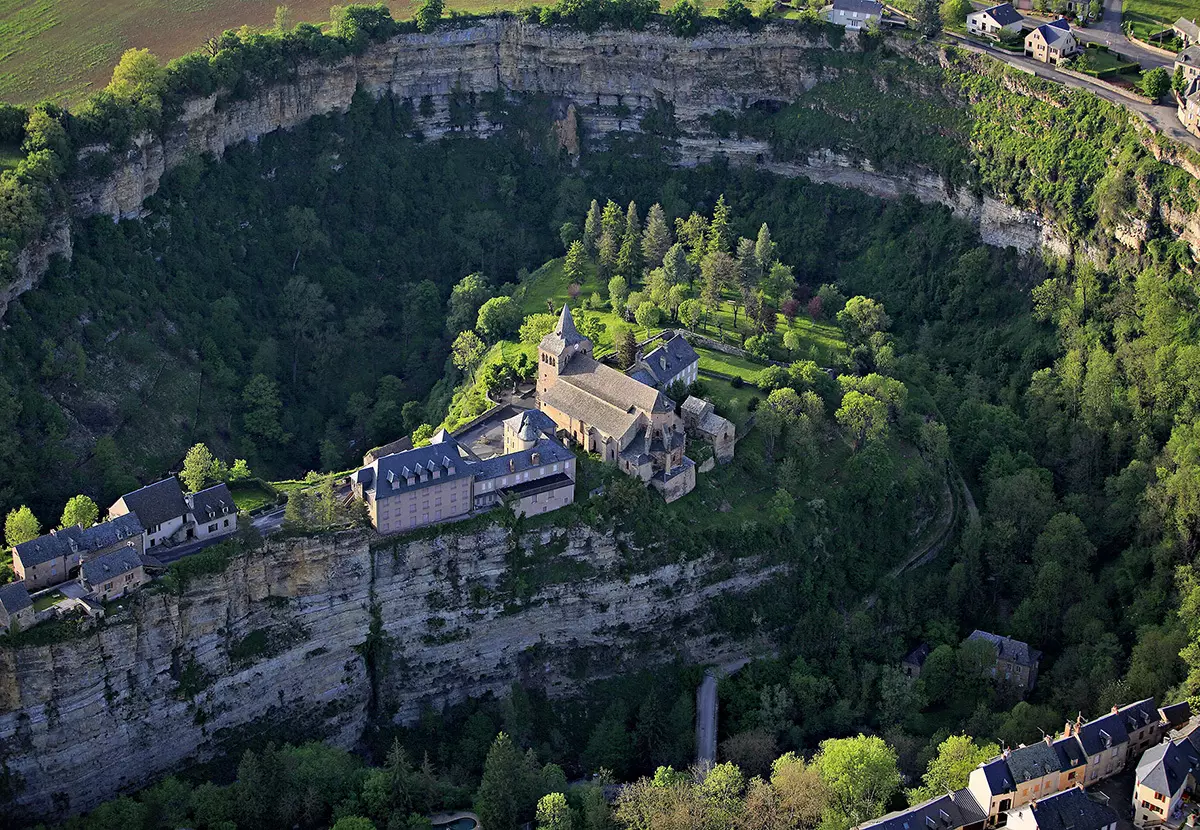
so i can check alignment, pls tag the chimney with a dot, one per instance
(637, 356)
(511, 466)
(1049, 740)
(535, 458)
(1114, 709)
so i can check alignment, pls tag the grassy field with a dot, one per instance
(1150, 16)
(64, 49)
(250, 495)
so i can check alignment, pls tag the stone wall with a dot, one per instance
(586, 75)
(276, 643)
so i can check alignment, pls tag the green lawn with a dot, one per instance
(1151, 16)
(251, 495)
(728, 364)
(1100, 60)
(46, 600)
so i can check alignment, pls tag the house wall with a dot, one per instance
(1107, 763)
(155, 536)
(852, 20)
(406, 509)
(50, 572)
(1190, 70)
(492, 485)
(20, 620)
(120, 585)
(982, 24)
(994, 804)
(1036, 788)
(1151, 807)
(545, 502)
(1070, 777)
(220, 526)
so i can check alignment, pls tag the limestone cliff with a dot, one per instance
(593, 77)
(309, 637)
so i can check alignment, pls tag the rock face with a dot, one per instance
(603, 82)
(311, 637)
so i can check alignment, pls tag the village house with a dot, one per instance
(1188, 62)
(1164, 787)
(1016, 662)
(701, 421)
(1068, 810)
(16, 608)
(624, 421)
(992, 786)
(1187, 31)
(914, 661)
(211, 512)
(56, 556)
(853, 14)
(1104, 741)
(1051, 43)
(114, 574)
(1072, 762)
(1144, 724)
(673, 361)
(1188, 108)
(441, 482)
(169, 517)
(1036, 771)
(995, 21)
(957, 810)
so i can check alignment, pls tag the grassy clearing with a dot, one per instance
(727, 364)
(251, 495)
(1151, 16)
(46, 600)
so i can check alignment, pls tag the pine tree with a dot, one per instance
(656, 239)
(676, 266)
(611, 220)
(764, 249)
(629, 260)
(591, 228)
(575, 265)
(502, 790)
(719, 238)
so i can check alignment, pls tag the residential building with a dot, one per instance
(160, 507)
(526, 428)
(1036, 771)
(993, 788)
(1068, 810)
(1188, 108)
(1105, 742)
(441, 482)
(211, 512)
(953, 811)
(1188, 62)
(1016, 662)
(701, 421)
(626, 422)
(56, 556)
(1143, 724)
(914, 661)
(1187, 31)
(114, 574)
(16, 608)
(1165, 781)
(853, 14)
(673, 361)
(995, 21)
(1072, 762)
(1051, 43)
(1175, 715)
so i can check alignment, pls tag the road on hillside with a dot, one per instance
(706, 721)
(264, 523)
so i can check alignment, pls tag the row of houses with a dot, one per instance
(108, 560)
(1043, 786)
(1052, 42)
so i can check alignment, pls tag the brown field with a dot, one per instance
(64, 49)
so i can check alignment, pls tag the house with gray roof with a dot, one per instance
(160, 507)
(1035, 771)
(995, 21)
(1016, 663)
(1071, 809)
(993, 787)
(672, 361)
(1106, 743)
(1143, 724)
(1175, 715)
(1188, 63)
(952, 811)
(1187, 31)
(113, 574)
(16, 608)
(1051, 43)
(56, 556)
(1164, 787)
(853, 14)
(212, 512)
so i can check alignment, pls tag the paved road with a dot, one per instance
(268, 523)
(264, 523)
(706, 721)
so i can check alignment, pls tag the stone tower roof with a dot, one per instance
(565, 336)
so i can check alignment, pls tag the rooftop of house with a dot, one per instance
(1190, 55)
(546, 451)
(213, 502)
(614, 421)
(1004, 14)
(564, 335)
(951, 810)
(74, 539)
(1165, 767)
(14, 597)
(1103, 733)
(1034, 761)
(1139, 715)
(399, 445)
(1054, 31)
(613, 387)
(1176, 714)
(659, 366)
(157, 503)
(110, 565)
(695, 407)
(1071, 810)
(405, 472)
(1188, 27)
(1070, 753)
(531, 424)
(917, 656)
(998, 776)
(860, 6)
(1009, 649)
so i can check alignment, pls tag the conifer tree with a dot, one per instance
(656, 240)
(719, 238)
(764, 249)
(591, 228)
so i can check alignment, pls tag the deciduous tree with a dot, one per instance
(197, 468)
(20, 526)
(80, 510)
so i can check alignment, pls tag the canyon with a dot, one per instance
(595, 83)
(313, 637)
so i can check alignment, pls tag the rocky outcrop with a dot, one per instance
(310, 637)
(600, 82)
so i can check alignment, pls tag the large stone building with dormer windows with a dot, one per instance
(623, 420)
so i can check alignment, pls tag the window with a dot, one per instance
(424, 517)
(107, 586)
(226, 523)
(129, 578)
(212, 528)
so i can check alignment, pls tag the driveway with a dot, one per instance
(268, 523)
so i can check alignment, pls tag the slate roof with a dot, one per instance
(1034, 761)
(157, 503)
(1165, 767)
(998, 776)
(860, 6)
(530, 424)
(1188, 27)
(672, 356)
(549, 452)
(110, 565)
(1189, 55)
(564, 334)
(211, 503)
(1004, 14)
(1139, 715)
(1103, 733)
(14, 597)
(694, 407)
(613, 421)
(946, 812)
(1008, 648)
(380, 475)
(917, 656)
(611, 386)
(1177, 714)
(1072, 810)
(1054, 31)
(72, 540)
(1070, 753)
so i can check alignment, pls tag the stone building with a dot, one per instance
(673, 361)
(624, 421)
(16, 608)
(701, 421)
(169, 517)
(56, 556)
(114, 574)
(1016, 663)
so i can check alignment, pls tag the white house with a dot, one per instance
(853, 14)
(1051, 43)
(994, 21)
(160, 507)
